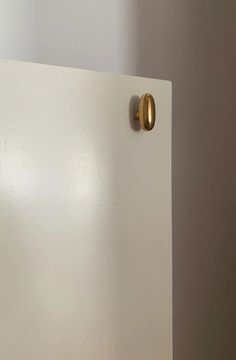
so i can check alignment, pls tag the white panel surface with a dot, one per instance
(85, 217)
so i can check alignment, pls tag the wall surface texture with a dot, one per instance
(16, 29)
(192, 43)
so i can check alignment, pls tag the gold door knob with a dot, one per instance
(146, 113)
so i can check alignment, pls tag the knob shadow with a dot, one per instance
(133, 106)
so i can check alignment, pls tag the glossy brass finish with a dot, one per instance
(147, 112)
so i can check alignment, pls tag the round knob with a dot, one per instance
(146, 113)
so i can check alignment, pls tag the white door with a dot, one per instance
(85, 217)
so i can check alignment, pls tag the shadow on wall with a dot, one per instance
(193, 44)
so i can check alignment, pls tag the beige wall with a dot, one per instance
(192, 43)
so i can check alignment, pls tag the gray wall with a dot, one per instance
(192, 43)
(16, 28)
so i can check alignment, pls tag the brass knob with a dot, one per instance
(146, 113)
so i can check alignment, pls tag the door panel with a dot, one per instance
(85, 217)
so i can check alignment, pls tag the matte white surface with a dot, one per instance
(91, 34)
(17, 35)
(85, 217)
(88, 34)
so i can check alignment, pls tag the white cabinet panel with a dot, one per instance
(85, 217)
